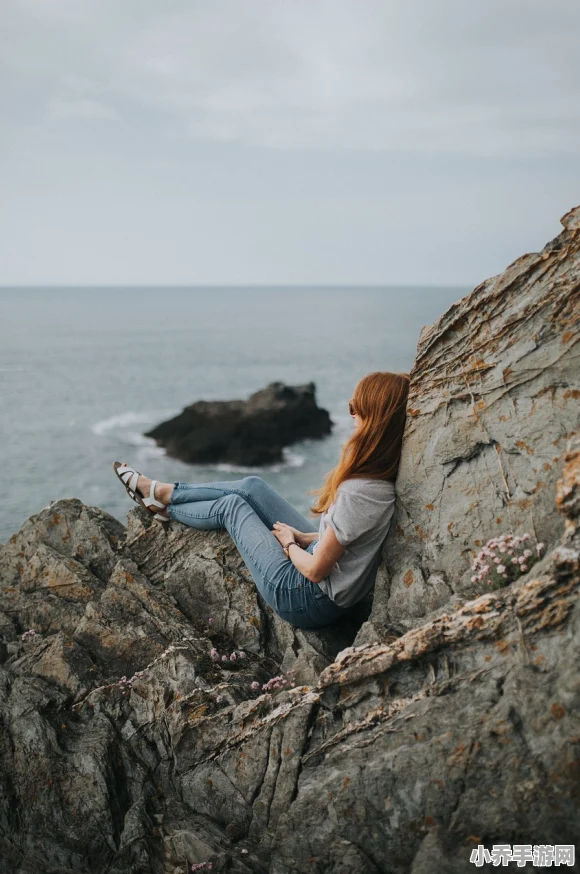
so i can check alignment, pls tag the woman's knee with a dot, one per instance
(254, 483)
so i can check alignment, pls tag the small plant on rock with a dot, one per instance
(236, 655)
(275, 683)
(127, 684)
(503, 560)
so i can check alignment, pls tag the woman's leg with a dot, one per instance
(266, 502)
(278, 581)
(292, 595)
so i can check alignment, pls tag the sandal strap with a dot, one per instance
(129, 477)
(132, 479)
(152, 501)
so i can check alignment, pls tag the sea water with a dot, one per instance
(85, 371)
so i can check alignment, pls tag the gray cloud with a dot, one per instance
(482, 78)
(129, 94)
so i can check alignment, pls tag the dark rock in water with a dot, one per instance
(248, 433)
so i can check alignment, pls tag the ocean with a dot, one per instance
(85, 371)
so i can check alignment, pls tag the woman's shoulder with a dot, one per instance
(367, 486)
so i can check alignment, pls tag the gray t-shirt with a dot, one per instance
(360, 516)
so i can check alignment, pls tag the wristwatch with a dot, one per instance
(287, 547)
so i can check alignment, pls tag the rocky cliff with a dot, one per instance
(162, 717)
(493, 402)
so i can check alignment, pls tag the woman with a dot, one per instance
(309, 578)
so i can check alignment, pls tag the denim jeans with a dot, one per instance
(247, 509)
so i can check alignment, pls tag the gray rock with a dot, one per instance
(493, 403)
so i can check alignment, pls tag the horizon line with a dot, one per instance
(132, 285)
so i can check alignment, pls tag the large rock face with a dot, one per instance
(129, 744)
(252, 432)
(493, 401)
(84, 757)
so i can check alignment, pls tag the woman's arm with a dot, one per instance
(302, 538)
(317, 566)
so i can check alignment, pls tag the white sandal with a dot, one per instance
(129, 477)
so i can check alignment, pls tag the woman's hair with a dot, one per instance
(374, 449)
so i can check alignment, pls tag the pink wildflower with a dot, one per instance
(274, 683)
(255, 685)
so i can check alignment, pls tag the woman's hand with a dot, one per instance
(285, 533)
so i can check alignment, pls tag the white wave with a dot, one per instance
(293, 459)
(149, 450)
(146, 446)
(125, 420)
(135, 438)
(290, 459)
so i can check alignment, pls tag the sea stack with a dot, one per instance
(248, 433)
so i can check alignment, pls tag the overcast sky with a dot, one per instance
(267, 141)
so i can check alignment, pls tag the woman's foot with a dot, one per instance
(161, 493)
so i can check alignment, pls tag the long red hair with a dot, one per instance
(374, 449)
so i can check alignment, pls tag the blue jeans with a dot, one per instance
(248, 509)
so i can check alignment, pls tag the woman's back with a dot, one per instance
(360, 516)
